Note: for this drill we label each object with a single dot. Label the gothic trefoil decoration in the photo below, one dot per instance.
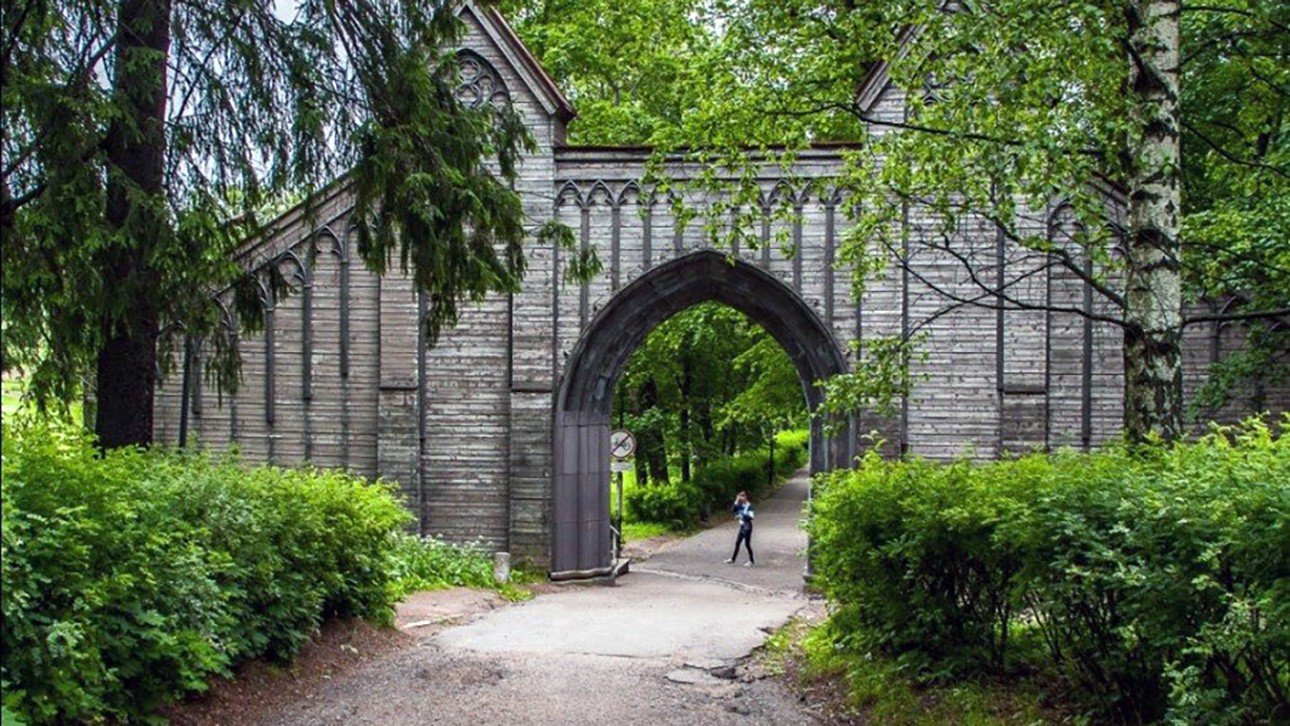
(479, 82)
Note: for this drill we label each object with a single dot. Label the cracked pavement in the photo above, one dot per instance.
(665, 645)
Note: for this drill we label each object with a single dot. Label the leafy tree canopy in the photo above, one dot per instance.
(1010, 107)
(144, 140)
(710, 381)
(631, 69)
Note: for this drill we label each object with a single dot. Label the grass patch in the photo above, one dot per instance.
(11, 391)
(425, 563)
(14, 401)
(867, 688)
(637, 531)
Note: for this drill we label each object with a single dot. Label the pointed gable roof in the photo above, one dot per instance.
(877, 79)
(521, 59)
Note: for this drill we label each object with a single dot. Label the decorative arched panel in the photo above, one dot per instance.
(479, 84)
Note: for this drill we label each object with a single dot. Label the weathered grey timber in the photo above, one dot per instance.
(585, 398)
(498, 434)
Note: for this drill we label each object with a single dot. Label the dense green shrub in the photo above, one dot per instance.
(675, 505)
(1157, 582)
(130, 578)
(716, 483)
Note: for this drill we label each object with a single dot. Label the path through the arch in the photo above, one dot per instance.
(666, 645)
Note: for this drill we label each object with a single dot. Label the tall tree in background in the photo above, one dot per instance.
(706, 383)
(1235, 108)
(1011, 108)
(141, 138)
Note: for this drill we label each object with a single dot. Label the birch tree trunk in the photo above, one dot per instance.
(1153, 295)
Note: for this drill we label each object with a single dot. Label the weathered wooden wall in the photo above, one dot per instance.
(339, 378)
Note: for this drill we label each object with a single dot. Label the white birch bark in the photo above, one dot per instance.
(1153, 295)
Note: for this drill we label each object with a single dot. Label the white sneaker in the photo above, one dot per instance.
(748, 564)
(730, 561)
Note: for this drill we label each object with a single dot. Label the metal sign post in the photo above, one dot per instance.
(621, 447)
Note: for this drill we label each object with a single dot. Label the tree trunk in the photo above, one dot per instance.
(657, 461)
(638, 461)
(1153, 283)
(708, 430)
(687, 445)
(136, 152)
(651, 442)
(770, 460)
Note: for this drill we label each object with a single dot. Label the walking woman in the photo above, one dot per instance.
(744, 510)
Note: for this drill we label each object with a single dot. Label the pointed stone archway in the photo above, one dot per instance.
(581, 539)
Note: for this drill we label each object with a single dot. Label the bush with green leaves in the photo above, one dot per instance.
(716, 483)
(1155, 581)
(132, 577)
(675, 505)
(427, 563)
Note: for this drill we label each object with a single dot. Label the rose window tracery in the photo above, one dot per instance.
(479, 83)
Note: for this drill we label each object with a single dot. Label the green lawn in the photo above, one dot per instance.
(15, 402)
(13, 388)
(632, 531)
(637, 531)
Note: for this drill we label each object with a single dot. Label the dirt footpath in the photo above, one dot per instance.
(666, 645)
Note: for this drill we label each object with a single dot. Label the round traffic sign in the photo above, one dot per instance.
(621, 444)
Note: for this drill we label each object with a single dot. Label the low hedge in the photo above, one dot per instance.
(131, 578)
(1156, 582)
(715, 484)
(675, 505)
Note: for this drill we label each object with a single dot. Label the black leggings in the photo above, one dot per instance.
(745, 538)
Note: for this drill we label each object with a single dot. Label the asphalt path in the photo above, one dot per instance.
(778, 543)
(668, 643)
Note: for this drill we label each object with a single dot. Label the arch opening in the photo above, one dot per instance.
(581, 540)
